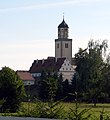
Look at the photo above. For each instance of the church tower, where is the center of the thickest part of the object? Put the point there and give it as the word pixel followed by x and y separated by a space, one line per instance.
pixel 63 45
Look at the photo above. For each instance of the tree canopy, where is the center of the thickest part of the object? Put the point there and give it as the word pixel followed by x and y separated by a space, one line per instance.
pixel 91 69
pixel 11 90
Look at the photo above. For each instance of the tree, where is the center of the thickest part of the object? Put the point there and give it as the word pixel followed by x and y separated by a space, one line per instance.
pixel 43 87
pixel 75 113
pixel 11 90
pixel 67 90
pixel 52 108
pixel 90 67
pixel 106 82
pixel 59 93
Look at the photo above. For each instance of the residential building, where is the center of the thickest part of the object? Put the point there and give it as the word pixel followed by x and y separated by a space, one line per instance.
pixel 26 77
pixel 52 65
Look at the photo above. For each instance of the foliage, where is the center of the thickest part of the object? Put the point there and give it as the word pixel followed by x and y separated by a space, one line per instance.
pixel 62 88
pixel 59 92
pixel 67 90
pixel 11 90
pixel 48 88
pixel 50 109
pixel 76 114
pixel 103 115
pixel 91 69
pixel 34 110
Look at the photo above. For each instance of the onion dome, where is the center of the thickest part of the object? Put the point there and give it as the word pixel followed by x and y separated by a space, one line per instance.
pixel 63 25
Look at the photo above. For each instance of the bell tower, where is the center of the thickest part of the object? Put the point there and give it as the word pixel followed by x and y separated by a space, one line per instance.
pixel 63 45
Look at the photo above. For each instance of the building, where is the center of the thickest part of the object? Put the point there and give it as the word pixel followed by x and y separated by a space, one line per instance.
pixel 62 62
pixel 26 77
pixel 52 65
pixel 63 45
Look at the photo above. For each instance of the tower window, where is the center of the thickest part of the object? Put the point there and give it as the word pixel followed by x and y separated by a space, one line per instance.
pixel 66 45
pixel 58 45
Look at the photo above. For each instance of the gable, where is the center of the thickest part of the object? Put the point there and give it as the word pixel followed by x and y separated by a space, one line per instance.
pixel 66 66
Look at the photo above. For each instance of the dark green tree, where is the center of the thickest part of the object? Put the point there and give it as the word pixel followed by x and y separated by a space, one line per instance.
pixel 52 108
pixel 59 93
pixel 44 86
pixel 67 90
pixel 90 67
pixel 75 83
pixel 11 90
pixel 106 82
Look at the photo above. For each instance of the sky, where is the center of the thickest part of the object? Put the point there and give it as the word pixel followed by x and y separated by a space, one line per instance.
pixel 28 28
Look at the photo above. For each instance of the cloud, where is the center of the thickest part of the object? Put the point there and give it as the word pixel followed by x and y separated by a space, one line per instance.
pixel 46 5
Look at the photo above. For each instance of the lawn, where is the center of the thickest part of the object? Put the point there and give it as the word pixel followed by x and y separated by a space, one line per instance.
pixel 94 111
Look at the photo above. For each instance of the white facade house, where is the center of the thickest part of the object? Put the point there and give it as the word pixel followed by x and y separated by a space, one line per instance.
pixel 59 65
pixel 26 77
pixel 67 70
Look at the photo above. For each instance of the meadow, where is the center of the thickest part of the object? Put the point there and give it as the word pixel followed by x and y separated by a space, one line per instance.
pixel 30 109
pixel 95 111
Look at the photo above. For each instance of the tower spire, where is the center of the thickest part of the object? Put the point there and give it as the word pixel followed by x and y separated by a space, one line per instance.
pixel 63 16
pixel 63 45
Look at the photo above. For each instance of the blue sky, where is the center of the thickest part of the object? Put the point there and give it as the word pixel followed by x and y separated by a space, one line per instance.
pixel 28 27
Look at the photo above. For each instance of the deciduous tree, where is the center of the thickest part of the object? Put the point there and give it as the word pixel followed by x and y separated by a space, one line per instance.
pixel 11 90
pixel 90 67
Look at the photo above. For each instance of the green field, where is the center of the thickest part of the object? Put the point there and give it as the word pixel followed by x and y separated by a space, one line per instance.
pixel 94 111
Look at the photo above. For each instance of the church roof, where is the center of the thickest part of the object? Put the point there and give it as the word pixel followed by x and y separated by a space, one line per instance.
pixel 49 64
pixel 63 25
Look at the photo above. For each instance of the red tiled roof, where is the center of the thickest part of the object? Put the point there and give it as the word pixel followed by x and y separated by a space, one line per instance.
pixel 24 75
pixel 46 64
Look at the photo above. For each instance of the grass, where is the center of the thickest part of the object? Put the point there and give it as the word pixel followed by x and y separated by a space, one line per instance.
pixel 94 111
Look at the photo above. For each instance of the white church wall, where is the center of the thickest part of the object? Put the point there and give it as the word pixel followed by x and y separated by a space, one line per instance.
pixel 67 70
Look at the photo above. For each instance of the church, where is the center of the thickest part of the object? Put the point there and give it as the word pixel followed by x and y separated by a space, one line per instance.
pixel 62 63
